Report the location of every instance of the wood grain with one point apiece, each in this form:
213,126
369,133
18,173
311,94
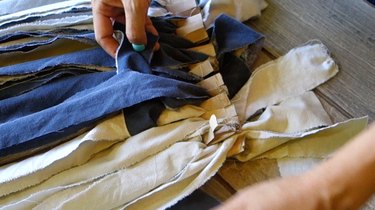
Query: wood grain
347,28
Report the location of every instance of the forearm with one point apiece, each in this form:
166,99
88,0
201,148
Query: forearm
345,181
348,178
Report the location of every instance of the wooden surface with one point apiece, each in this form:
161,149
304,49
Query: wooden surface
347,28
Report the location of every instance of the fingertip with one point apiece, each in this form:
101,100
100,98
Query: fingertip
157,46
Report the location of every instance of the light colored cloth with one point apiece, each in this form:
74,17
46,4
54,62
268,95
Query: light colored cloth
33,170
241,10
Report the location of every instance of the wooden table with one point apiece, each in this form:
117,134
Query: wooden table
347,28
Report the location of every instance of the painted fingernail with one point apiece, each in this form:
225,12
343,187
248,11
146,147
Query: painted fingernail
138,47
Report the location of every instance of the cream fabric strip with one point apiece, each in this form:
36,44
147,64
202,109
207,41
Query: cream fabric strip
279,123
20,175
130,182
239,9
300,70
133,150
321,142
193,176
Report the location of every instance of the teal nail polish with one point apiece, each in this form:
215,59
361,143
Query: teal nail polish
138,47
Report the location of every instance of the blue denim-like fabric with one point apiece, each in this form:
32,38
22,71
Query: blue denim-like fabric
144,83
179,74
175,41
67,33
49,95
120,91
90,57
229,34
83,36
169,56
14,89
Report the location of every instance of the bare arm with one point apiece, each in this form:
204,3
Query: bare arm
345,181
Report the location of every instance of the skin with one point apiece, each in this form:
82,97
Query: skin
132,13
345,181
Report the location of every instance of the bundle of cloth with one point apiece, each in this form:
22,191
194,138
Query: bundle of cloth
80,129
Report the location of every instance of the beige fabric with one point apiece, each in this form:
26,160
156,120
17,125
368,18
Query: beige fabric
214,85
300,70
279,123
131,182
193,176
20,175
239,9
133,153
320,143
201,69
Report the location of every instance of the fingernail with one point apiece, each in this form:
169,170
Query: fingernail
138,47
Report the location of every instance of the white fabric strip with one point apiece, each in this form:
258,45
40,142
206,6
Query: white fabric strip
280,122
300,70
20,175
241,10
321,142
129,183
193,176
51,24
133,150
47,9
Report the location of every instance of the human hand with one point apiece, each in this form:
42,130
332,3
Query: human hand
132,13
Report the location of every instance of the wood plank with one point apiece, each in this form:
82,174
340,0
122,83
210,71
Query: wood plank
218,188
242,174
347,28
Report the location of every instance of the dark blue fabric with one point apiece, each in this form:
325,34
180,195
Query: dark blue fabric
14,89
175,41
163,25
235,73
86,36
91,57
229,34
178,74
48,95
142,116
169,56
51,107
120,91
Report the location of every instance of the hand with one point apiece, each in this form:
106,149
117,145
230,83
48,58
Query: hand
132,13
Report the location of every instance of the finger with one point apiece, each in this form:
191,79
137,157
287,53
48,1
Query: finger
135,18
103,27
150,27
120,19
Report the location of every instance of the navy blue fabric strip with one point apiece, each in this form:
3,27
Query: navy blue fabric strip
120,91
235,73
142,116
48,95
66,106
14,89
229,34
86,37
90,57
